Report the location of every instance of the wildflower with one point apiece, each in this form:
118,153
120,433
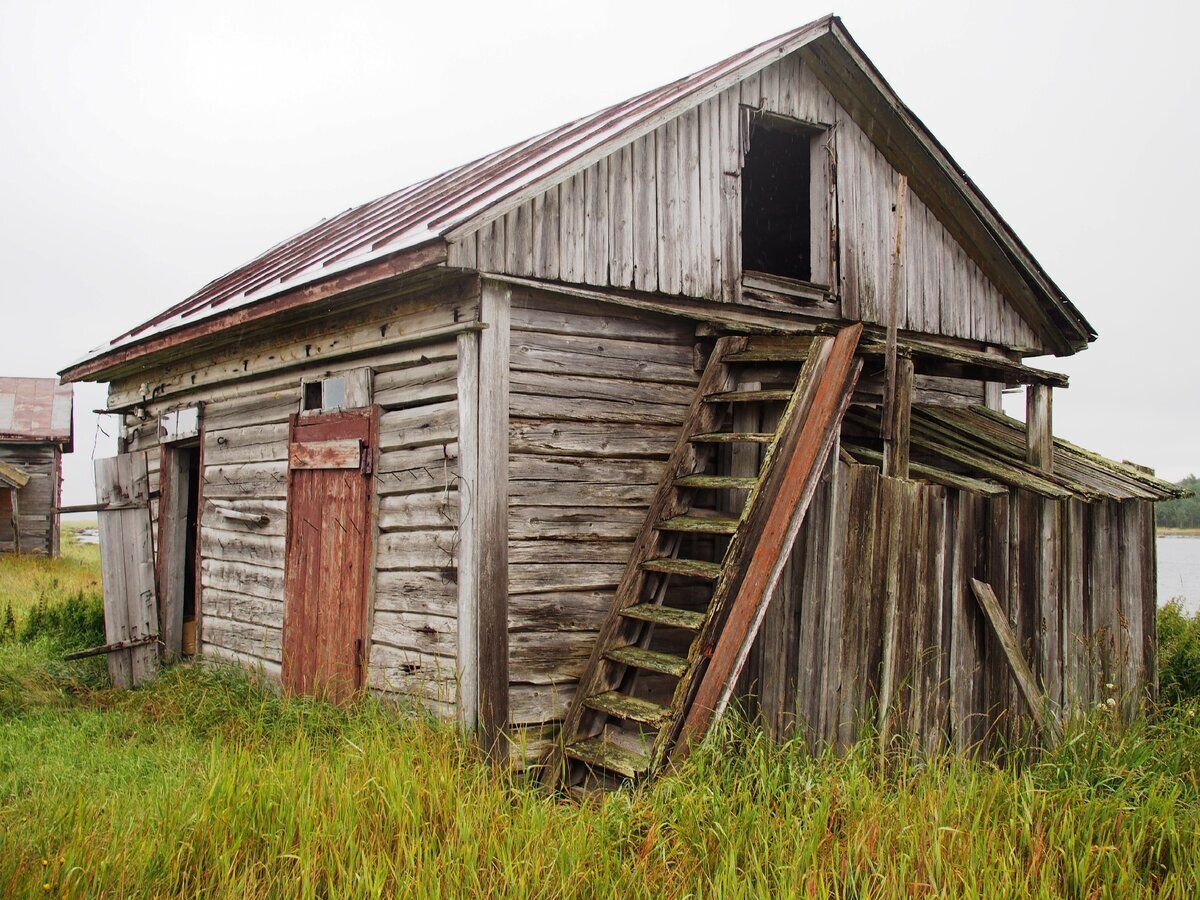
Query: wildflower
1110,686
1111,702
1101,707
46,886
45,862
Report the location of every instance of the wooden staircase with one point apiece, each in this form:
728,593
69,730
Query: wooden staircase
708,556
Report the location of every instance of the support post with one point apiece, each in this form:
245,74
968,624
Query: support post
171,559
893,314
1039,429
16,522
492,518
897,447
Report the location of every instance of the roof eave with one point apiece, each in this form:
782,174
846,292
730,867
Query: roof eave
1075,330
99,366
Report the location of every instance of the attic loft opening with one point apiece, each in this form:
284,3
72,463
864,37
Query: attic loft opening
777,222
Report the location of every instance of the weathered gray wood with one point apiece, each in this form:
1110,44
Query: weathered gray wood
596,224
492,522
644,158
1038,427
467,601
1037,700
172,547
127,566
897,444
620,221
895,312
670,234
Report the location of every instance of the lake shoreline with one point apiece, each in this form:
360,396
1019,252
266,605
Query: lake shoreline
1179,532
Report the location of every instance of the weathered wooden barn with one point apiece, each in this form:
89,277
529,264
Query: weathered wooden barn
35,431
695,398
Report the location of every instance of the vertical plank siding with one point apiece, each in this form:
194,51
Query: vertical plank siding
596,401
663,214
884,632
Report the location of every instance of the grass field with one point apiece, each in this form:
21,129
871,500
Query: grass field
205,784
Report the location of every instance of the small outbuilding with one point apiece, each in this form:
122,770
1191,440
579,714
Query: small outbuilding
695,399
35,431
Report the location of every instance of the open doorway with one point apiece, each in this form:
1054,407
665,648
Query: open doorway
178,537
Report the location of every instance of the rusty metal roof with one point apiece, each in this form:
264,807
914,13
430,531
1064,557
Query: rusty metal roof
454,201
35,409
437,206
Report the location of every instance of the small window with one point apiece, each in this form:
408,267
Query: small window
350,389
777,222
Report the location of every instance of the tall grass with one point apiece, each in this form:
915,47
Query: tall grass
206,783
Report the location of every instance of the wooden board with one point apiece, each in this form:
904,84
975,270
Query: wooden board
127,566
327,556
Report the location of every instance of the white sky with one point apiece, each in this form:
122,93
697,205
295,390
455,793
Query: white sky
146,147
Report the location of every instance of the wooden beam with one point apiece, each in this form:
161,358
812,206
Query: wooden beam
171,559
1039,427
492,523
468,516
897,448
893,312
1039,703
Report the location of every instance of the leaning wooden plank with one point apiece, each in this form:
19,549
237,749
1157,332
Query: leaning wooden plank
787,489
1038,702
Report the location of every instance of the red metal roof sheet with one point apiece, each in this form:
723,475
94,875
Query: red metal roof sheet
437,206
35,409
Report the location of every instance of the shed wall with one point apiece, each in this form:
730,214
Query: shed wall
37,500
663,214
412,645
863,634
598,396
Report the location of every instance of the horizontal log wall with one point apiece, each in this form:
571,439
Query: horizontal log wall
412,647
663,214
36,501
875,626
597,398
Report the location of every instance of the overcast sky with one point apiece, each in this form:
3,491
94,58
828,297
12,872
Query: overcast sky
147,147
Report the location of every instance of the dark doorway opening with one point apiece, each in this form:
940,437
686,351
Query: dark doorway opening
776,214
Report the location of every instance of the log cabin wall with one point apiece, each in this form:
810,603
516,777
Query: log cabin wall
36,501
598,395
411,345
865,635
663,214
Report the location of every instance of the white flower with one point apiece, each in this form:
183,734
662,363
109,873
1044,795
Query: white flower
1111,703
1101,707
1110,686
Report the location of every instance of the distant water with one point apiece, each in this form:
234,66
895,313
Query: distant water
1179,570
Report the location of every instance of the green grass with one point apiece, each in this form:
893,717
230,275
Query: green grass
204,783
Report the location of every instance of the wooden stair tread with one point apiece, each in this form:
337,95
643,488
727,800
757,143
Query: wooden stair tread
649,660
694,568
768,354
733,437
633,709
700,524
716,482
759,396
665,615
599,753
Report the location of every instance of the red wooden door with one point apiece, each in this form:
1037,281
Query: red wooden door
328,548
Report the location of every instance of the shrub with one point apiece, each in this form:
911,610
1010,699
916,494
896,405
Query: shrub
71,623
1178,653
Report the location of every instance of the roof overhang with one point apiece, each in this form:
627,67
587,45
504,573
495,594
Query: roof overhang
102,366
